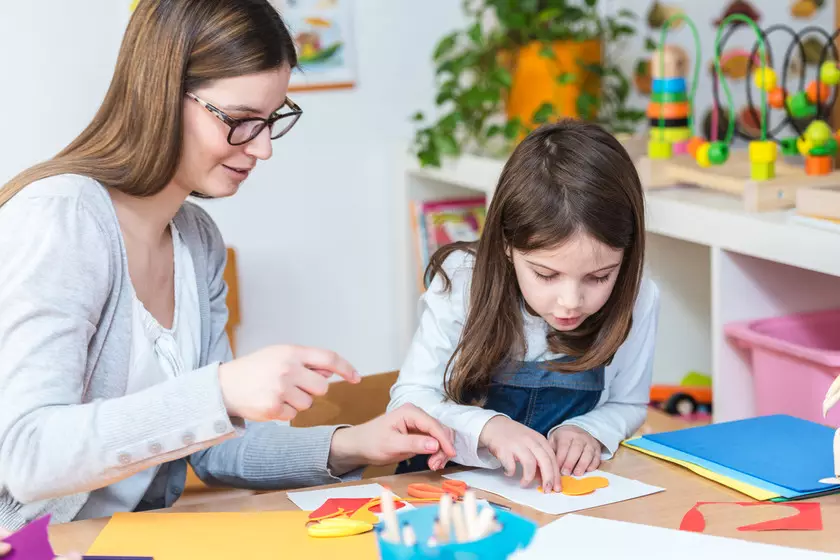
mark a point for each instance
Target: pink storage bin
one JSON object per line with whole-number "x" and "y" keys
{"x": 795, "y": 359}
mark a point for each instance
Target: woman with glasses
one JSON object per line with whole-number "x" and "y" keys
{"x": 115, "y": 369}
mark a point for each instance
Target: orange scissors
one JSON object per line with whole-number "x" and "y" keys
{"x": 455, "y": 488}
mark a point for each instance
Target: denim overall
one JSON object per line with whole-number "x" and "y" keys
{"x": 536, "y": 397}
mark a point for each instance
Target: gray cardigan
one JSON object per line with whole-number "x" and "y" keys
{"x": 67, "y": 425}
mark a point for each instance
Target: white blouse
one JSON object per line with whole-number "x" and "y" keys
{"x": 157, "y": 354}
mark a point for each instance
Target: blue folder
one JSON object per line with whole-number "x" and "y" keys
{"x": 779, "y": 449}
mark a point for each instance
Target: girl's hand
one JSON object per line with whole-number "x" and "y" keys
{"x": 511, "y": 442}
{"x": 277, "y": 382}
{"x": 6, "y": 548}
{"x": 576, "y": 450}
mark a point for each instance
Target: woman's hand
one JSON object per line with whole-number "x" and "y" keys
{"x": 511, "y": 442}
{"x": 277, "y": 382}
{"x": 391, "y": 438}
{"x": 576, "y": 450}
{"x": 6, "y": 548}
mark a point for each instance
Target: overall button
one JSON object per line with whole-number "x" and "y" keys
{"x": 188, "y": 439}
{"x": 177, "y": 490}
{"x": 124, "y": 458}
{"x": 220, "y": 426}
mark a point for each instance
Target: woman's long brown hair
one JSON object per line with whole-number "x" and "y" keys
{"x": 133, "y": 143}
{"x": 563, "y": 178}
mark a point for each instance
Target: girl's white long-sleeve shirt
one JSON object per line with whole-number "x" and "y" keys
{"x": 622, "y": 406}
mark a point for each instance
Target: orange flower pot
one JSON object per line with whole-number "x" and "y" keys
{"x": 535, "y": 79}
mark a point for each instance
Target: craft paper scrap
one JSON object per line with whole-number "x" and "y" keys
{"x": 581, "y": 536}
{"x": 222, "y": 536}
{"x": 311, "y": 500}
{"x": 805, "y": 516}
{"x": 32, "y": 542}
{"x": 495, "y": 482}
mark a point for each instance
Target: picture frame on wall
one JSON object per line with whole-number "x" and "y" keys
{"x": 323, "y": 35}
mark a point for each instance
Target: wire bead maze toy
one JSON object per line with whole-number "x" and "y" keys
{"x": 677, "y": 156}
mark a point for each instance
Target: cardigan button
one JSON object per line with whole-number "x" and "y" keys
{"x": 189, "y": 438}
{"x": 220, "y": 427}
{"x": 155, "y": 448}
{"x": 124, "y": 458}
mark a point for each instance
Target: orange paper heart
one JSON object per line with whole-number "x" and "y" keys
{"x": 572, "y": 486}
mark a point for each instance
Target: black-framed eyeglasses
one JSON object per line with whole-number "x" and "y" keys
{"x": 243, "y": 131}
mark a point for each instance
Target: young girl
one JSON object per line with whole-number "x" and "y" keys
{"x": 535, "y": 344}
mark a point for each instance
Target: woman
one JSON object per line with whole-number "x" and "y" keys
{"x": 115, "y": 369}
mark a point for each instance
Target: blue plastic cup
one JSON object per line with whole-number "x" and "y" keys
{"x": 516, "y": 533}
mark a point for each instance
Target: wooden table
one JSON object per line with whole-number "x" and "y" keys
{"x": 664, "y": 509}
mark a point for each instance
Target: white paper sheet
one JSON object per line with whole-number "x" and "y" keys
{"x": 580, "y": 536}
{"x": 495, "y": 482}
{"x": 310, "y": 500}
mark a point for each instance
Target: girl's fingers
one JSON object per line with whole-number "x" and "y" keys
{"x": 575, "y": 449}
{"x": 585, "y": 460}
{"x": 529, "y": 466}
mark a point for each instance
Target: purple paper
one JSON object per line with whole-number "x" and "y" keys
{"x": 32, "y": 542}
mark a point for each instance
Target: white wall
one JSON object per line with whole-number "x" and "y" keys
{"x": 312, "y": 224}
{"x": 56, "y": 60}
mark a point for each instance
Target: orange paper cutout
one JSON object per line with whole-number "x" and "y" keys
{"x": 571, "y": 486}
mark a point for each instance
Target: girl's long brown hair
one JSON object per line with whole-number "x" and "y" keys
{"x": 563, "y": 178}
{"x": 133, "y": 143}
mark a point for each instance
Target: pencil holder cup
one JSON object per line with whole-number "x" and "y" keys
{"x": 516, "y": 533}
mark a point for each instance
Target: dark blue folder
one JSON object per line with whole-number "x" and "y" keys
{"x": 779, "y": 449}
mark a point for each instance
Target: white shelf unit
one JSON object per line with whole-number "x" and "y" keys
{"x": 714, "y": 263}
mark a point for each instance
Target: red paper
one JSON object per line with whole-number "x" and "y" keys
{"x": 349, "y": 505}
{"x": 807, "y": 518}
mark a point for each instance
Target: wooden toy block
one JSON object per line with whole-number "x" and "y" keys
{"x": 674, "y": 60}
{"x": 734, "y": 177}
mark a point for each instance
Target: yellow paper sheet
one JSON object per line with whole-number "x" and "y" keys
{"x": 742, "y": 487}
{"x": 225, "y": 536}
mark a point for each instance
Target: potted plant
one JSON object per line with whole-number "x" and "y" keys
{"x": 538, "y": 60}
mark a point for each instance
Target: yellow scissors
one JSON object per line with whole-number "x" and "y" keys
{"x": 339, "y": 527}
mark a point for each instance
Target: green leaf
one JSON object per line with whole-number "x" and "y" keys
{"x": 549, "y": 15}
{"x": 445, "y": 143}
{"x": 587, "y": 105}
{"x": 474, "y": 33}
{"x": 494, "y": 130}
{"x": 625, "y": 13}
{"x": 429, "y": 158}
{"x": 591, "y": 3}
{"x": 623, "y": 30}
{"x": 472, "y": 98}
{"x": 543, "y": 113}
{"x": 450, "y": 121}
{"x": 512, "y": 128}
{"x": 547, "y": 52}
{"x": 566, "y": 78}
{"x": 517, "y": 21}
{"x": 503, "y": 77}
{"x": 443, "y": 97}
{"x": 650, "y": 44}
{"x": 445, "y": 46}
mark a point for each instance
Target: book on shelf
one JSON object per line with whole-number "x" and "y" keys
{"x": 439, "y": 222}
